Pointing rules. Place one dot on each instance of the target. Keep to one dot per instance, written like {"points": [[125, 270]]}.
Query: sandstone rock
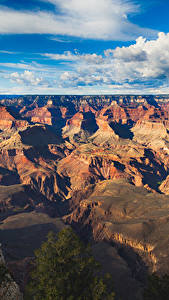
{"points": [[164, 187], [8, 120], [9, 290], [99, 164]]}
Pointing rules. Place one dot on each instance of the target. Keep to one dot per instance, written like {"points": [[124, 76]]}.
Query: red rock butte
{"points": [[101, 164]]}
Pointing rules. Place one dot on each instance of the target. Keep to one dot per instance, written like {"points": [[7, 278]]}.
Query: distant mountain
{"points": [[99, 163]]}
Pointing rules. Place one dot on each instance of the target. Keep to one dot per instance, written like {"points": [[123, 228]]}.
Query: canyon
{"points": [[97, 163]]}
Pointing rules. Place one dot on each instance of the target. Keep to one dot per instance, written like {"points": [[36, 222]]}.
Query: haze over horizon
{"points": [[84, 47]]}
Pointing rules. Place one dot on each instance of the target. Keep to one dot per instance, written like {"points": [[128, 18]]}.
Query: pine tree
{"points": [[157, 288], [65, 269]]}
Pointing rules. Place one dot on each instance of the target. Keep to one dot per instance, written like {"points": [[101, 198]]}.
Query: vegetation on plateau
{"points": [[157, 288], [65, 269], [5, 280]]}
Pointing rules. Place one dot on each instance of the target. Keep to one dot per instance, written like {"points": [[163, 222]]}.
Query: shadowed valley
{"points": [[97, 163]]}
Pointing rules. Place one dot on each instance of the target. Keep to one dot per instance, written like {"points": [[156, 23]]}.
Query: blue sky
{"points": [[84, 47]]}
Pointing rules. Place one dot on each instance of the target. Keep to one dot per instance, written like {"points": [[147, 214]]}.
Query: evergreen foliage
{"points": [[65, 269], [5, 280], [157, 288], [4, 274]]}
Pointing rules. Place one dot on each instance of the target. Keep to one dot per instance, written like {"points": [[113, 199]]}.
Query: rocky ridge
{"points": [[102, 166], [9, 290]]}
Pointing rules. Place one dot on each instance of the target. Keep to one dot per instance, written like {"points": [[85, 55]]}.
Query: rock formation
{"points": [[9, 290], [100, 163]]}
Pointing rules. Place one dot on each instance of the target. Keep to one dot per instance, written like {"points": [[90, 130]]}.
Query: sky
{"points": [[84, 47]]}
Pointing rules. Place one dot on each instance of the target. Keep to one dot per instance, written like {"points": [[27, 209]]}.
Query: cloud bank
{"points": [[91, 19], [141, 67], [27, 78], [143, 63]]}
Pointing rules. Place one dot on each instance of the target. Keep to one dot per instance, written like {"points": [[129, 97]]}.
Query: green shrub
{"points": [[65, 269]]}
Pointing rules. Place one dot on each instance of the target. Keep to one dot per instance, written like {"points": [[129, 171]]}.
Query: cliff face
{"points": [[101, 165], [119, 141], [8, 120], [116, 141], [164, 187], [133, 221], [9, 290], [40, 115], [123, 113], [27, 156], [48, 114], [151, 133]]}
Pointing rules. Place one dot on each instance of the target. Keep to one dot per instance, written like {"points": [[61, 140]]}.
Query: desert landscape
{"points": [[97, 163], [84, 150]]}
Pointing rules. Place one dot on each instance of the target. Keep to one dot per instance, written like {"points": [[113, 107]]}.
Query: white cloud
{"points": [[145, 63], [34, 66], [94, 19], [8, 52], [15, 65], [146, 59], [133, 53], [27, 78], [142, 67], [67, 55], [84, 90], [60, 40], [76, 57]]}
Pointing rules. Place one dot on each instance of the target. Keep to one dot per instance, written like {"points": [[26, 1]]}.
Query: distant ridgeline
{"points": [[98, 163], [94, 100]]}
